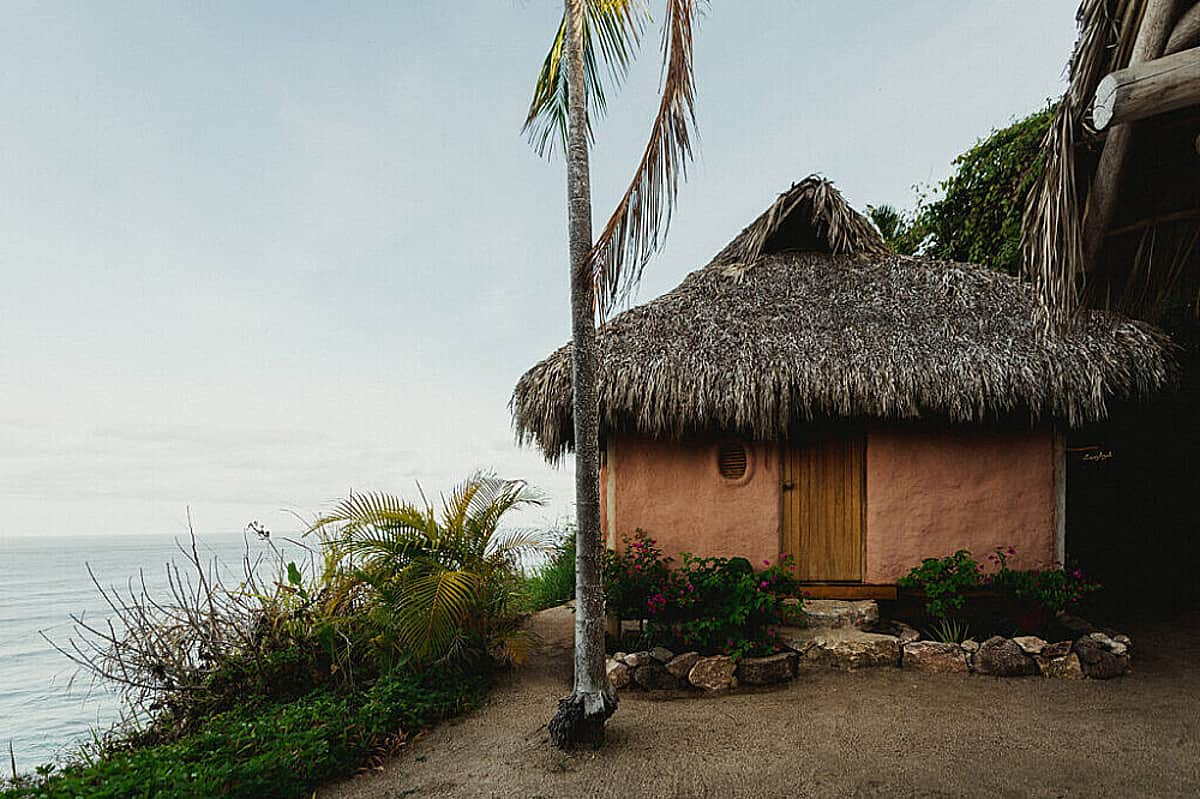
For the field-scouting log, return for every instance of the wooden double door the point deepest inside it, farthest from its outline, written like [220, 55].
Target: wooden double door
[824, 505]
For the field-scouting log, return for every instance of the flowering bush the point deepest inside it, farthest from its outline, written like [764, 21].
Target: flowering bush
[637, 579]
[944, 581]
[1053, 589]
[707, 604]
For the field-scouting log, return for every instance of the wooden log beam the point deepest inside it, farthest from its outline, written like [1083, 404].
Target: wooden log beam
[1162, 219]
[1152, 37]
[1148, 88]
[1186, 33]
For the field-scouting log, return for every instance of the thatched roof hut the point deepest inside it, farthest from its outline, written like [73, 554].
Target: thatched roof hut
[806, 314]
[1114, 219]
[754, 409]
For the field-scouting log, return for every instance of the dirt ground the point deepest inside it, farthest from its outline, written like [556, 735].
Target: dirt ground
[877, 732]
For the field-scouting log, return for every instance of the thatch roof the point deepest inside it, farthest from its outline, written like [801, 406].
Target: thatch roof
[807, 314]
[1149, 253]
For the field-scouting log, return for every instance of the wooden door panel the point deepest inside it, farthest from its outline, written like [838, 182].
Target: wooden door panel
[823, 507]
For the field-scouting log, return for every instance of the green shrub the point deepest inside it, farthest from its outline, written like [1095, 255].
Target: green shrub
[1051, 589]
[270, 750]
[553, 582]
[435, 584]
[975, 214]
[634, 575]
[708, 604]
[943, 581]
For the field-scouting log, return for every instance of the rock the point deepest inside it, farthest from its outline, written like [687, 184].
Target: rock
[791, 609]
[662, 654]
[842, 648]
[1063, 667]
[713, 673]
[618, 674]
[1030, 644]
[1003, 657]
[767, 670]
[932, 656]
[1123, 639]
[899, 629]
[653, 676]
[620, 656]
[1056, 650]
[1098, 660]
[836, 613]
[970, 646]
[636, 659]
[1100, 637]
[681, 665]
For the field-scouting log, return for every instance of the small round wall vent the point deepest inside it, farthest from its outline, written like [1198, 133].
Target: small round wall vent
[731, 460]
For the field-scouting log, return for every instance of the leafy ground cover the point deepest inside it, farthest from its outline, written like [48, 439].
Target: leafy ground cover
[270, 750]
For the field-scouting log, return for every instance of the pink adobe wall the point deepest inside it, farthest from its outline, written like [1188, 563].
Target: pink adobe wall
[930, 493]
[673, 491]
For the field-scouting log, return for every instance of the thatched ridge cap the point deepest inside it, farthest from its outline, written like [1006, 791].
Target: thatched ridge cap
[810, 215]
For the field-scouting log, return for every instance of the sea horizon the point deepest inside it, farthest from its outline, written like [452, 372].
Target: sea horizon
[48, 708]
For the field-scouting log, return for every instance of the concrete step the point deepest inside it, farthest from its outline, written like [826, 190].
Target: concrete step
[830, 614]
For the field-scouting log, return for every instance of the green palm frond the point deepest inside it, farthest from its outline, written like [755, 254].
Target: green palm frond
[436, 581]
[515, 543]
[434, 610]
[614, 27]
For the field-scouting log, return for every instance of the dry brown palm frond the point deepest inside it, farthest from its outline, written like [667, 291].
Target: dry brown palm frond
[1051, 237]
[639, 223]
[812, 214]
[1056, 256]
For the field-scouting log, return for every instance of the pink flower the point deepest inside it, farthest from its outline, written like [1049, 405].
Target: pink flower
[1012, 551]
[766, 562]
[763, 584]
[1077, 574]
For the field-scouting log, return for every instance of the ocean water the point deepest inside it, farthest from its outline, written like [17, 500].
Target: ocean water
[43, 581]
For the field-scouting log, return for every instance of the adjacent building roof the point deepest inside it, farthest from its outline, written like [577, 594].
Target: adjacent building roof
[807, 314]
[1145, 258]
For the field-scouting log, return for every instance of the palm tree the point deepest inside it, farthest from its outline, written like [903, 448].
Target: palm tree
[439, 586]
[888, 220]
[572, 79]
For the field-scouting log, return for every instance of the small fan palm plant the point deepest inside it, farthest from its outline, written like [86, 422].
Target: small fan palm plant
[438, 586]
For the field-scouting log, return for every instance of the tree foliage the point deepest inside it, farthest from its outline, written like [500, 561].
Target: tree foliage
[975, 214]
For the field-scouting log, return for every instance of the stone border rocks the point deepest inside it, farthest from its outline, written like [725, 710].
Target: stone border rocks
[1095, 655]
[850, 635]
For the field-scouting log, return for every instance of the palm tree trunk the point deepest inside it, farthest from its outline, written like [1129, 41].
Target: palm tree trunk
[580, 718]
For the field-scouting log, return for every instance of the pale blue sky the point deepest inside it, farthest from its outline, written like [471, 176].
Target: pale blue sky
[257, 254]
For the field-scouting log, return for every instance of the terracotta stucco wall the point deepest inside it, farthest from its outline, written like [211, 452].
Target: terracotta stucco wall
[930, 493]
[673, 491]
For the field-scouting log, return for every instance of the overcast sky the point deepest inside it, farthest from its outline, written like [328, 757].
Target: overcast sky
[255, 255]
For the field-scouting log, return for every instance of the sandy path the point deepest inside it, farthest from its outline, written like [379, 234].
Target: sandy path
[878, 732]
